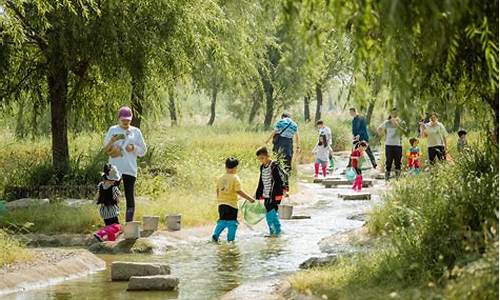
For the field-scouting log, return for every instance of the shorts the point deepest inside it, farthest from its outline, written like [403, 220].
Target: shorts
[321, 162]
[227, 213]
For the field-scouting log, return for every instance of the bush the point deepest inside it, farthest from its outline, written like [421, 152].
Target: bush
[12, 251]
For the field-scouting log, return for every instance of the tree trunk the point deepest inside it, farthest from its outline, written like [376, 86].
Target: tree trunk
[340, 94]
[319, 103]
[268, 93]
[307, 112]
[369, 112]
[212, 106]
[138, 74]
[57, 79]
[171, 107]
[330, 101]
[257, 100]
[457, 118]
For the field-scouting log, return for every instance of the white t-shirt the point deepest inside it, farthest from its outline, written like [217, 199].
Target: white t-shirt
[436, 135]
[127, 162]
[322, 153]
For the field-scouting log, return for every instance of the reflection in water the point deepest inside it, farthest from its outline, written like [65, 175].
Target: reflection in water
[274, 246]
[228, 266]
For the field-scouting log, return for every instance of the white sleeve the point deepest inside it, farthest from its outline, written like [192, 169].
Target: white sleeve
[140, 145]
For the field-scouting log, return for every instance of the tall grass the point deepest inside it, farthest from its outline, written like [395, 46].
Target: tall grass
[442, 232]
[12, 251]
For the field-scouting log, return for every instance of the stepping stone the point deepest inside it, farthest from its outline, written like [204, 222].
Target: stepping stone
[336, 182]
[300, 217]
[380, 176]
[123, 271]
[355, 196]
[321, 179]
[153, 283]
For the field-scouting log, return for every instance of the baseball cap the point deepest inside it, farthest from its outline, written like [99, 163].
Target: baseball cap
[125, 113]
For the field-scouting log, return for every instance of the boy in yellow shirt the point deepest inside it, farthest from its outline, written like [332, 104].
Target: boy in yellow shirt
[228, 190]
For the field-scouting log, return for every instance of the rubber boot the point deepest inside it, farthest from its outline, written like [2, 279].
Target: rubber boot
[270, 221]
[232, 225]
[277, 224]
[360, 183]
[221, 225]
[316, 169]
[332, 164]
[323, 167]
[112, 231]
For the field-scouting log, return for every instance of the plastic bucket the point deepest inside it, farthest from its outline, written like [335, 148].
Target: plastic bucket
[285, 211]
[173, 222]
[132, 230]
[150, 223]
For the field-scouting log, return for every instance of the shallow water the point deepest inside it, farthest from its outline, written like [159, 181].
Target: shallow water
[207, 270]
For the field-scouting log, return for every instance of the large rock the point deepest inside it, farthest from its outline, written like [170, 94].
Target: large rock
[153, 283]
[141, 245]
[122, 271]
[347, 242]
[77, 202]
[348, 195]
[26, 202]
[329, 183]
[315, 262]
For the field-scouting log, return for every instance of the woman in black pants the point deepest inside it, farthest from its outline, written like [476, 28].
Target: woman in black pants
[124, 143]
[435, 132]
[393, 128]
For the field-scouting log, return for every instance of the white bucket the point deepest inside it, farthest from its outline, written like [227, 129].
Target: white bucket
[173, 222]
[150, 223]
[285, 211]
[132, 230]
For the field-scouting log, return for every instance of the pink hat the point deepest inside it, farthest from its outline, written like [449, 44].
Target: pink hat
[125, 113]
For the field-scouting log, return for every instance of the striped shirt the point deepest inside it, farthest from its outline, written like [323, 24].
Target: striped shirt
[289, 131]
[267, 180]
[109, 211]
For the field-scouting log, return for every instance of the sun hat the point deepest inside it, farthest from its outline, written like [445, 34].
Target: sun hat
[125, 113]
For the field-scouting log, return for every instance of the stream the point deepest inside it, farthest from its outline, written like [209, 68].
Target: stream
[208, 270]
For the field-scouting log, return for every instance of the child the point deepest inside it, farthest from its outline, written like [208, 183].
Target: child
[108, 195]
[462, 140]
[228, 189]
[414, 157]
[356, 155]
[323, 151]
[272, 187]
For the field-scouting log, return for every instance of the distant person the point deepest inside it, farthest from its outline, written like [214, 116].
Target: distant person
[356, 156]
[462, 141]
[272, 187]
[393, 128]
[414, 157]
[283, 134]
[108, 197]
[360, 133]
[322, 151]
[123, 144]
[325, 130]
[435, 132]
[228, 190]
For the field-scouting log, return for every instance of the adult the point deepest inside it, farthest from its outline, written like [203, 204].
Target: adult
[393, 128]
[360, 133]
[326, 131]
[435, 132]
[123, 144]
[285, 130]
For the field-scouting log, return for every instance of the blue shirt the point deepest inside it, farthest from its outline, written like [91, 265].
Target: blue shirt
[359, 127]
[290, 131]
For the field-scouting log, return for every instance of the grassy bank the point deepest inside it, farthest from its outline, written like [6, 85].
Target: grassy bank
[11, 251]
[442, 239]
[176, 176]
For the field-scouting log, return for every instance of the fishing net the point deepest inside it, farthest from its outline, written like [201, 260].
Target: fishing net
[252, 213]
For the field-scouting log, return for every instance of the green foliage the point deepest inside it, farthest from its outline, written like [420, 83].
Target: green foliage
[12, 251]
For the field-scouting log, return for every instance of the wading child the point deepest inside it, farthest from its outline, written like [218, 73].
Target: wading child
[462, 140]
[228, 190]
[108, 196]
[272, 187]
[322, 152]
[356, 156]
[414, 157]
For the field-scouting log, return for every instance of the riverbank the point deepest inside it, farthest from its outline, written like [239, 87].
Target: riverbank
[50, 266]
